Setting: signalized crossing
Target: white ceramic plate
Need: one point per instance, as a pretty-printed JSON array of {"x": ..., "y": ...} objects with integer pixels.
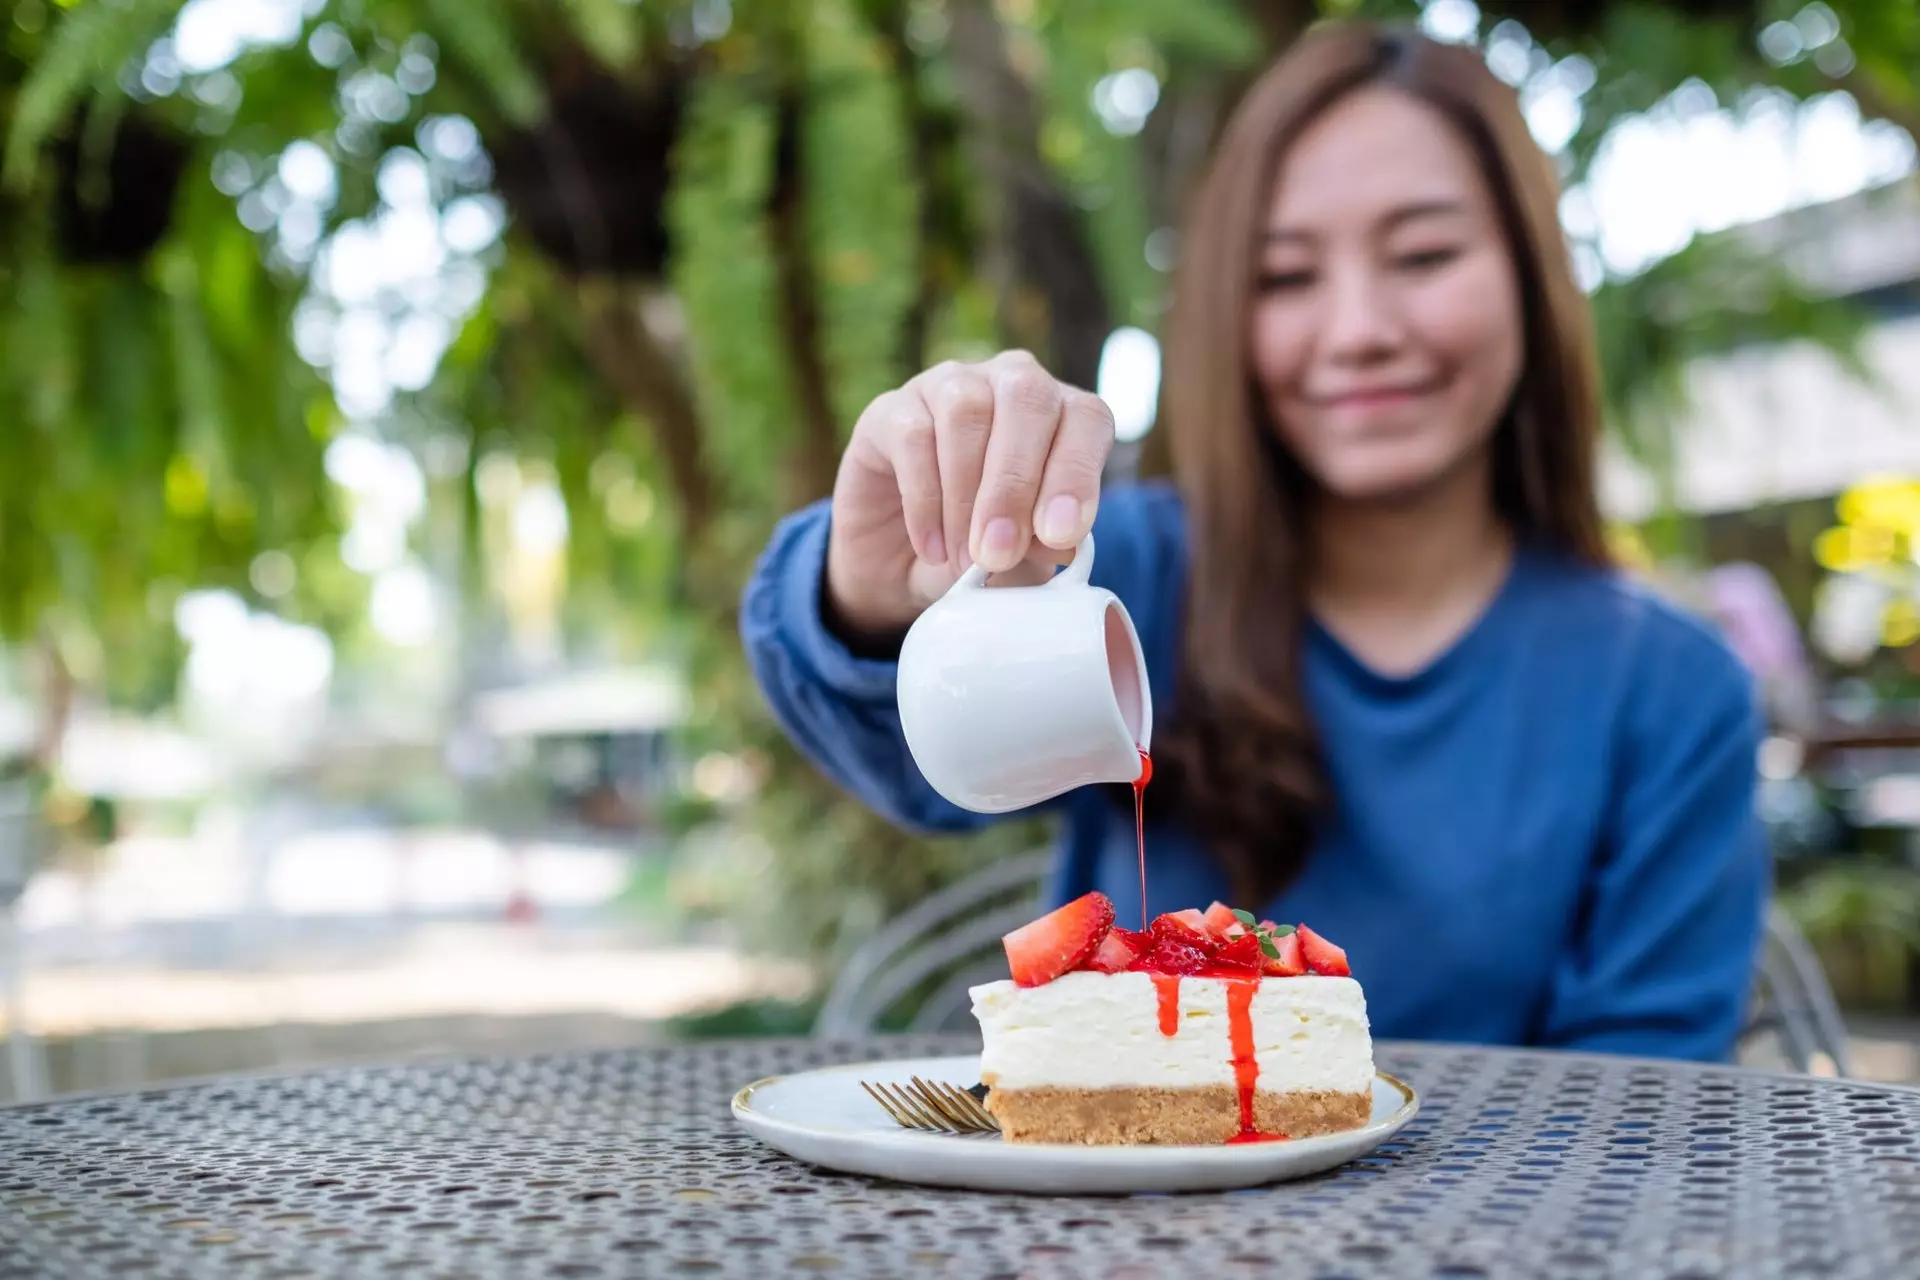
[{"x": 823, "y": 1117}]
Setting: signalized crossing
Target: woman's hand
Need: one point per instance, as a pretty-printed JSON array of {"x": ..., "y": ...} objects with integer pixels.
[{"x": 997, "y": 463}]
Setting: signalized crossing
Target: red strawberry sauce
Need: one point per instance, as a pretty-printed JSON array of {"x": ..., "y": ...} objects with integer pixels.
[
  {"x": 1140, "y": 838},
  {"x": 1240, "y": 987},
  {"x": 1167, "y": 985},
  {"x": 1246, "y": 1067}
]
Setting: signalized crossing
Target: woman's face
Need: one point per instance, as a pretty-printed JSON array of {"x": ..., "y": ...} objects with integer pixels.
[{"x": 1386, "y": 324}]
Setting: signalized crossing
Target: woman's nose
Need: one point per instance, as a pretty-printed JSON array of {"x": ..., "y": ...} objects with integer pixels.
[{"x": 1361, "y": 322}]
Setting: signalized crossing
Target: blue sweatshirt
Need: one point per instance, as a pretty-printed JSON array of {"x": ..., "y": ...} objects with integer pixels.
[{"x": 1545, "y": 837}]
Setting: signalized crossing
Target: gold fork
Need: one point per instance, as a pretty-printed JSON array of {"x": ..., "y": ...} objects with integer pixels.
[{"x": 933, "y": 1107}]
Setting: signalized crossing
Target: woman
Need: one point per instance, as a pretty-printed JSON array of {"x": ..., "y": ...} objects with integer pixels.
[{"x": 1403, "y": 696}]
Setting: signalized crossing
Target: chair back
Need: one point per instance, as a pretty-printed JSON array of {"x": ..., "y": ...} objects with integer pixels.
[
  {"x": 950, "y": 939},
  {"x": 19, "y": 837},
  {"x": 1793, "y": 1003}
]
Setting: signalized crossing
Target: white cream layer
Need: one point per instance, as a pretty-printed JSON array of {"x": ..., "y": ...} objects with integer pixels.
[{"x": 1102, "y": 1031}]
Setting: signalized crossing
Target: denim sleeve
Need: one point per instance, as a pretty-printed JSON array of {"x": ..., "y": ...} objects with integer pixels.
[{"x": 837, "y": 707}]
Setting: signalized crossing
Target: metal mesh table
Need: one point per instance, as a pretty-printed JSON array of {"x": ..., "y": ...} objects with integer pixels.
[{"x": 629, "y": 1163}]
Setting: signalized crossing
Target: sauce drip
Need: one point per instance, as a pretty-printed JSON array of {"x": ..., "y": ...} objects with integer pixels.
[
  {"x": 1167, "y": 986},
  {"x": 1140, "y": 831},
  {"x": 1246, "y": 1067}
]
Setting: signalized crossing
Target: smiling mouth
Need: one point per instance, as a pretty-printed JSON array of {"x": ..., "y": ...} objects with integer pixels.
[{"x": 1373, "y": 398}]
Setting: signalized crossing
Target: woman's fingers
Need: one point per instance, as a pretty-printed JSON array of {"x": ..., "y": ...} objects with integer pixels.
[
  {"x": 961, "y": 399},
  {"x": 902, "y": 425},
  {"x": 997, "y": 463},
  {"x": 1070, "y": 486},
  {"x": 1026, "y": 413}
]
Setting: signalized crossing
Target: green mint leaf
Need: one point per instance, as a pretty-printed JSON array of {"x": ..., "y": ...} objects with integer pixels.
[
  {"x": 1244, "y": 917},
  {"x": 1268, "y": 949},
  {"x": 1282, "y": 930}
]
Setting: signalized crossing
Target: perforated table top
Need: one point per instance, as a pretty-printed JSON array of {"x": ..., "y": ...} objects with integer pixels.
[{"x": 629, "y": 1163}]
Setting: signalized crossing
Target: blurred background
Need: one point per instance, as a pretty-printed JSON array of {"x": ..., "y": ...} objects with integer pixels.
[{"x": 394, "y": 393}]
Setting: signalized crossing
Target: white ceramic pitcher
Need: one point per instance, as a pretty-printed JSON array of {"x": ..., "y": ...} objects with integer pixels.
[{"x": 1014, "y": 695}]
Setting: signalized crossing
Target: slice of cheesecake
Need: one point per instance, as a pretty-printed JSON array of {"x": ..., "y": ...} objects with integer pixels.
[{"x": 1207, "y": 1028}]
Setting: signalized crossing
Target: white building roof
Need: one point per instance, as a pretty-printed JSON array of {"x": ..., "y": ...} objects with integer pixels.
[
  {"x": 1784, "y": 423},
  {"x": 624, "y": 700}
]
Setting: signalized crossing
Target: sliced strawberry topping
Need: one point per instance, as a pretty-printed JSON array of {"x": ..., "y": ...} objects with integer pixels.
[
  {"x": 1217, "y": 942},
  {"x": 1171, "y": 955},
  {"x": 1288, "y": 963},
  {"x": 1174, "y": 927},
  {"x": 1220, "y": 921},
  {"x": 1194, "y": 919},
  {"x": 1059, "y": 941},
  {"x": 1242, "y": 953},
  {"x": 1322, "y": 956},
  {"x": 1120, "y": 948}
]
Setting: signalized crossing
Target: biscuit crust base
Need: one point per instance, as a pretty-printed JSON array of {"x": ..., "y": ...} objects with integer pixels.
[{"x": 1202, "y": 1116}]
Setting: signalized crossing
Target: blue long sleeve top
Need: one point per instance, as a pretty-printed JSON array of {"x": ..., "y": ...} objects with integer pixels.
[{"x": 1545, "y": 837}]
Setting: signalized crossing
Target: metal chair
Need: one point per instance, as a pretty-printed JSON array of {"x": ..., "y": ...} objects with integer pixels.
[
  {"x": 19, "y": 848},
  {"x": 1793, "y": 1003},
  {"x": 952, "y": 938}
]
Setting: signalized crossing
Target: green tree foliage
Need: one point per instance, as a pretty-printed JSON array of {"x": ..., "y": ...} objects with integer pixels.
[
  {"x": 158, "y": 427},
  {"x": 729, "y": 226}
]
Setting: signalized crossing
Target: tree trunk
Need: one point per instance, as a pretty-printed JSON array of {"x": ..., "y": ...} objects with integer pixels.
[
  {"x": 651, "y": 383},
  {"x": 1282, "y": 21},
  {"x": 1558, "y": 19},
  {"x": 1195, "y": 104},
  {"x": 925, "y": 136},
  {"x": 1179, "y": 141},
  {"x": 1050, "y": 294},
  {"x": 1176, "y": 143},
  {"x": 797, "y": 293},
  {"x": 56, "y": 703}
]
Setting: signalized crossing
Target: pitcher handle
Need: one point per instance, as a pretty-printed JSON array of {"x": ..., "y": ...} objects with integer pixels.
[{"x": 1075, "y": 574}]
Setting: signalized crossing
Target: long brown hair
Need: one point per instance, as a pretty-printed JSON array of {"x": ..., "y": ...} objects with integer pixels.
[{"x": 1240, "y": 760}]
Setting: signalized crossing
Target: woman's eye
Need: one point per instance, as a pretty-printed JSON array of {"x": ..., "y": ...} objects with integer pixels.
[
  {"x": 1284, "y": 281},
  {"x": 1426, "y": 259}
]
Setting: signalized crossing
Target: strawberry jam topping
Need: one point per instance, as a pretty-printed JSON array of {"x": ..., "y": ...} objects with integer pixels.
[
  {"x": 1246, "y": 1066},
  {"x": 1167, "y": 987},
  {"x": 1140, "y": 828}
]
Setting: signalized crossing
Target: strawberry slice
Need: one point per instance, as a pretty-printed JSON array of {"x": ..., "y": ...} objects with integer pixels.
[
  {"x": 1176, "y": 928},
  {"x": 1242, "y": 953},
  {"x": 1288, "y": 964},
  {"x": 1219, "y": 920},
  {"x": 1120, "y": 948},
  {"x": 1193, "y": 918},
  {"x": 1059, "y": 941},
  {"x": 1171, "y": 956},
  {"x": 1322, "y": 956}
]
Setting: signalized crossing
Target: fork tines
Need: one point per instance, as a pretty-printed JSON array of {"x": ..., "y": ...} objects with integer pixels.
[{"x": 933, "y": 1106}]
